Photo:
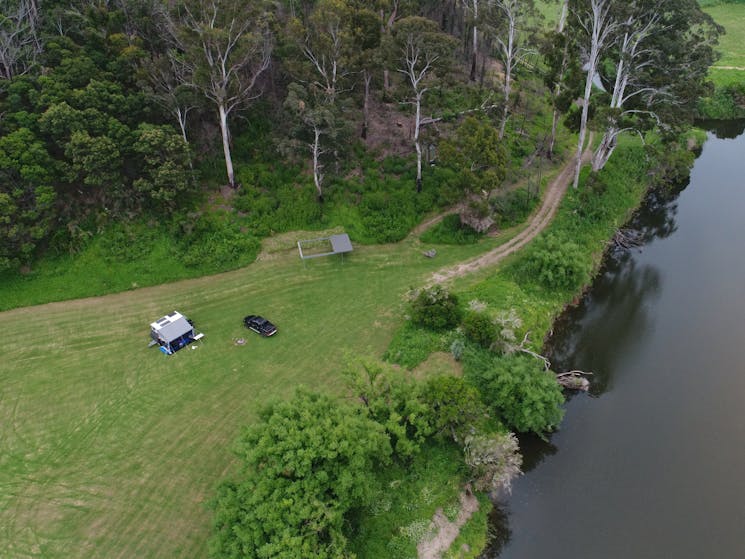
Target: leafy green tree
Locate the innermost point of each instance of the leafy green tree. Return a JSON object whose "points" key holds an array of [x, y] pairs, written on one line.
{"points": [[477, 154], [519, 390], [436, 308], [479, 328], [455, 407], [27, 198], [394, 401], [164, 173], [555, 262], [308, 461], [96, 163]]}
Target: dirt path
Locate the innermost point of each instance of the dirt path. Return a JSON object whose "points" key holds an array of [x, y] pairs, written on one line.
{"points": [[539, 221], [447, 531], [729, 67]]}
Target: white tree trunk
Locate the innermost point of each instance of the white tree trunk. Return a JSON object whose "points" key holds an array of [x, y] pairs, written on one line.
{"points": [[599, 30], [317, 167], [226, 144], [181, 117], [557, 89], [366, 104], [509, 59], [605, 149], [475, 45], [417, 124]]}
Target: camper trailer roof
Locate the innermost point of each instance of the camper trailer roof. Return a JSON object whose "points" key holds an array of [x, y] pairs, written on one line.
{"points": [[171, 326]]}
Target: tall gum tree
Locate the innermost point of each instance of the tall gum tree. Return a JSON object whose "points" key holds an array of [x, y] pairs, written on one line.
{"points": [[654, 70], [424, 53], [508, 23], [229, 44], [596, 24], [20, 41]]}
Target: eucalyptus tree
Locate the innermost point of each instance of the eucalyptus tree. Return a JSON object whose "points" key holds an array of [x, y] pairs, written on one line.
{"points": [[20, 40], [475, 10], [366, 56], [170, 80], [596, 26], [229, 44], [316, 127], [424, 53], [325, 42], [390, 11], [654, 70], [557, 69], [508, 22]]}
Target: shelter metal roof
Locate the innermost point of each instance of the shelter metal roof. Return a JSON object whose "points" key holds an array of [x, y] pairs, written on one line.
{"points": [[340, 243]]}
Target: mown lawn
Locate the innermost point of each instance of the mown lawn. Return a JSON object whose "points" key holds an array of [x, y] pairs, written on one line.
{"points": [[732, 43], [110, 449]]}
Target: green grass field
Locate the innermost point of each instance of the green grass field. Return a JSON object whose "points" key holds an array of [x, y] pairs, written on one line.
{"points": [[732, 43], [111, 449]]}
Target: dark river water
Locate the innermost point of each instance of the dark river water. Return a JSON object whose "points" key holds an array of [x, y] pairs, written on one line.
{"points": [[651, 463]]}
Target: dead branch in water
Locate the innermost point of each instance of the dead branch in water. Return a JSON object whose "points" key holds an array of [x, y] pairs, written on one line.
{"points": [[574, 380], [627, 239]]}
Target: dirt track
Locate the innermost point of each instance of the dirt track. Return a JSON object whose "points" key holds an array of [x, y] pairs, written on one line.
{"points": [[539, 221]]}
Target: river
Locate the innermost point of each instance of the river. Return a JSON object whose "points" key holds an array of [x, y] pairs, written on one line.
{"points": [[651, 463]]}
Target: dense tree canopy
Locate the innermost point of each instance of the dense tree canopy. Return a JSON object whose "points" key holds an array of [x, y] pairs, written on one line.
{"points": [[89, 87], [308, 461]]}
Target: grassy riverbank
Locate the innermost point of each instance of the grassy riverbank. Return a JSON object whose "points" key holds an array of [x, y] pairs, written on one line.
{"points": [[589, 217]]}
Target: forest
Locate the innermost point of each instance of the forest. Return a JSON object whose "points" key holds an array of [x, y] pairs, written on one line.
{"points": [[126, 117]]}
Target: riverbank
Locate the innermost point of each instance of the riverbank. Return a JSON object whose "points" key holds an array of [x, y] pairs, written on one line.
{"points": [[613, 482], [587, 218]]}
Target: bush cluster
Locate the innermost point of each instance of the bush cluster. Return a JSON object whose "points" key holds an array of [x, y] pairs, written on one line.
{"points": [[450, 231], [555, 263], [518, 390], [436, 308], [479, 328]]}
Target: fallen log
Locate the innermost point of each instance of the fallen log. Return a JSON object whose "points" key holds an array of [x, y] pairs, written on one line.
{"points": [[574, 380]]}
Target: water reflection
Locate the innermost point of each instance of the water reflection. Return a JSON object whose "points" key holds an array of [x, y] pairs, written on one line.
{"points": [[535, 450], [617, 304], [499, 530], [723, 129], [618, 300]]}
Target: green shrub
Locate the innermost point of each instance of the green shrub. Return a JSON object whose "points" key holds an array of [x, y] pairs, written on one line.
{"points": [[555, 263], [479, 328], [127, 242], [212, 242], [387, 218], [412, 345], [521, 393], [436, 308], [450, 231], [513, 207]]}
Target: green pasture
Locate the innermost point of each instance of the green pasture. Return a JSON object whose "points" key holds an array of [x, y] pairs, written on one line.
{"points": [[732, 43], [112, 450]]}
